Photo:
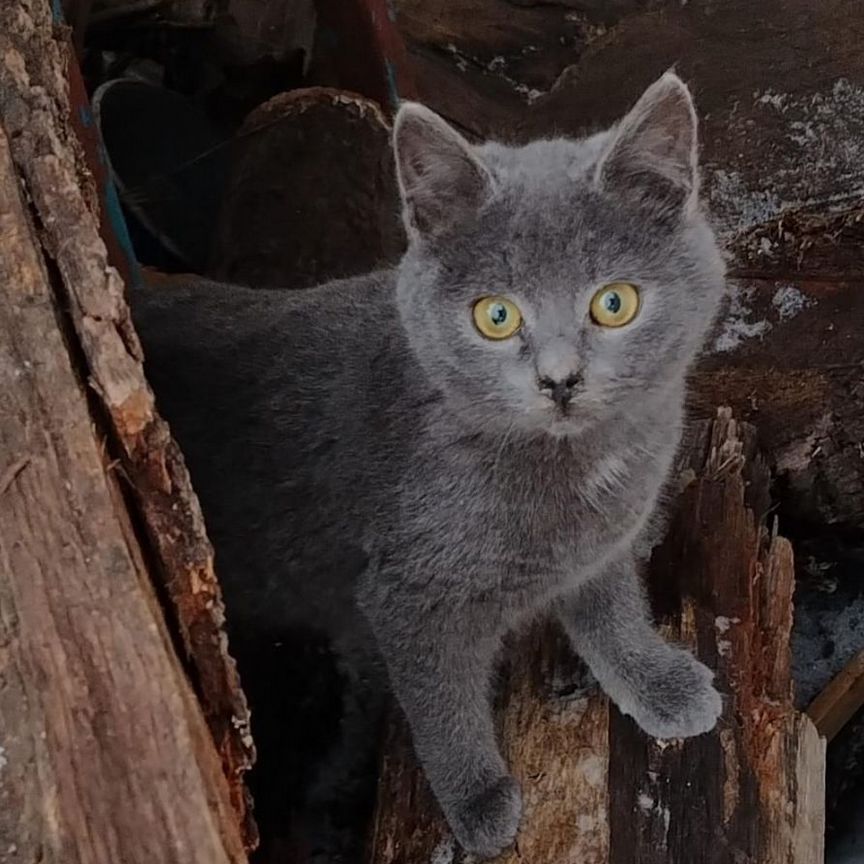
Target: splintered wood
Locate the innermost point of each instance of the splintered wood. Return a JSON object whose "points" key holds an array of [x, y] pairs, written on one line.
{"points": [[599, 791], [105, 753]]}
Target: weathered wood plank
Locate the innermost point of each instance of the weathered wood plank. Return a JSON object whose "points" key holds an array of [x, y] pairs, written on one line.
{"points": [[841, 700], [105, 754], [596, 788], [35, 110]]}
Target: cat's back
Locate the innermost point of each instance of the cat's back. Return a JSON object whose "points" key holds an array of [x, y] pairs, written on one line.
{"points": [[216, 351], [279, 402], [207, 322]]}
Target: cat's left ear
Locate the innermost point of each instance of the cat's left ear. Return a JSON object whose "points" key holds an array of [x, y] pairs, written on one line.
{"points": [[652, 153], [441, 179]]}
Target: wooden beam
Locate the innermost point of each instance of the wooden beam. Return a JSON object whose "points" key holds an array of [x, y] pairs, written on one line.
{"points": [[597, 790], [841, 700], [316, 163]]}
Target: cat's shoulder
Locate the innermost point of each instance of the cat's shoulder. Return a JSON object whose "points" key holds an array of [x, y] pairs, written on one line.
{"points": [[198, 308], [206, 297]]}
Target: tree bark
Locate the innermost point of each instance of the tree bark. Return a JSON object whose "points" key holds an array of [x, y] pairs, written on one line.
{"points": [[106, 753], [597, 790]]}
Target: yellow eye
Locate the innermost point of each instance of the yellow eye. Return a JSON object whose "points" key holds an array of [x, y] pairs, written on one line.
{"points": [[497, 317], [615, 305]]}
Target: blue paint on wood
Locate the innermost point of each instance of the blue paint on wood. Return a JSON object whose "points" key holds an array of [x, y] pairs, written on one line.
{"points": [[114, 214], [392, 84]]}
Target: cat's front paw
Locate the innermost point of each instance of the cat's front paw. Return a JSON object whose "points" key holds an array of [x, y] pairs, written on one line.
{"points": [[486, 823], [677, 699]]}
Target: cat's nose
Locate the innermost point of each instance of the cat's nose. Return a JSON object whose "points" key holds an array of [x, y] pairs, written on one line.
{"points": [[560, 390]]}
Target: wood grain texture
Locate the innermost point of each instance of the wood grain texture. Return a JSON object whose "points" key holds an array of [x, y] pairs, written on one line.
{"points": [[105, 753], [596, 788], [754, 789], [555, 737], [34, 109]]}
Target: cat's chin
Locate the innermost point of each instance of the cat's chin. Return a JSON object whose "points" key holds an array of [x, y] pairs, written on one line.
{"points": [[535, 421], [563, 426], [556, 424]]}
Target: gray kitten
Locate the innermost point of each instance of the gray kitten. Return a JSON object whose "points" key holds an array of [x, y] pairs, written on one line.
{"points": [[420, 460]]}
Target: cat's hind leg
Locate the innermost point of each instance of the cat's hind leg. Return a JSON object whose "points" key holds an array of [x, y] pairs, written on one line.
{"points": [[340, 799]]}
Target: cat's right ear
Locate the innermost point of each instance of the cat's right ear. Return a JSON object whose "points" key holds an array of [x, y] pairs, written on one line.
{"points": [[441, 180], [651, 156]]}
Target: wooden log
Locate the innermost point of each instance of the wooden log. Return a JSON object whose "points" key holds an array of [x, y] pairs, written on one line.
{"points": [[105, 754], [81, 294], [841, 700], [597, 790], [315, 164]]}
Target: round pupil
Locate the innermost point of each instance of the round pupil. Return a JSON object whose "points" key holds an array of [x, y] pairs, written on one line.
{"points": [[612, 302], [498, 313]]}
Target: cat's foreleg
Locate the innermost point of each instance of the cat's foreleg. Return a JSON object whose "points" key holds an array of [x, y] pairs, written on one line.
{"points": [[666, 690], [440, 669]]}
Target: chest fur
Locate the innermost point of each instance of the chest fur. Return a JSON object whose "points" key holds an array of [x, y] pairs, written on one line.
{"points": [[521, 518]]}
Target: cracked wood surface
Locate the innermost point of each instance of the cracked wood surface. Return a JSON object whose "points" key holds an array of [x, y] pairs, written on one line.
{"points": [[104, 753], [34, 108], [597, 790]]}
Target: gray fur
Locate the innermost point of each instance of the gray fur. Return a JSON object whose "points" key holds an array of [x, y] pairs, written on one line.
{"points": [[370, 465]]}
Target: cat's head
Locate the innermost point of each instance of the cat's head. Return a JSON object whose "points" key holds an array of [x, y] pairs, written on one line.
{"points": [[551, 286]]}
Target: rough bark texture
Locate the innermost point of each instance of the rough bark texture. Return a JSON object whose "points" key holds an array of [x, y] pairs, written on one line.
{"points": [[597, 790], [316, 163], [49, 168], [105, 755]]}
